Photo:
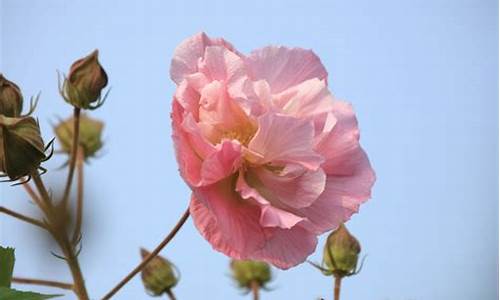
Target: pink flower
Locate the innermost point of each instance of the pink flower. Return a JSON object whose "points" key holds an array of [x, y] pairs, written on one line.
{"points": [[272, 158]]}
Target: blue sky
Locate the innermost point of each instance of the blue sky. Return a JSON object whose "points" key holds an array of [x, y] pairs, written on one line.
{"points": [[422, 76]]}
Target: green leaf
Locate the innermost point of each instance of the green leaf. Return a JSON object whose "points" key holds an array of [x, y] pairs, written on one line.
{"points": [[11, 294], [6, 266]]}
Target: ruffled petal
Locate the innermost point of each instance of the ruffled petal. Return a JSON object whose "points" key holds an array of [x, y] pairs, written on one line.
{"points": [[284, 67], [238, 232], [286, 248], [283, 139], [295, 187], [343, 195], [271, 216], [189, 52], [225, 161], [305, 100], [189, 161]]}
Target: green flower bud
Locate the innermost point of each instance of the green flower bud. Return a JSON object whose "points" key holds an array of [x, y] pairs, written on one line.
{"points": [[247, 271], [86, 79], [89, 137], [11, 99], [159, 275], [340, 255], [21, 147]]}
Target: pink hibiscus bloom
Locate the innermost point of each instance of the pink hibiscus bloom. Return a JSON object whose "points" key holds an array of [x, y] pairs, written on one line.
{"points": [[272, 158]]}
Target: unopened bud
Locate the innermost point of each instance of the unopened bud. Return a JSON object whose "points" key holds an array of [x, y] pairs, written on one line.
{"points": [[340, 255], [11, 99], [159, 275], [245, 272], [89, 137], [85, 82], [21, 148]]}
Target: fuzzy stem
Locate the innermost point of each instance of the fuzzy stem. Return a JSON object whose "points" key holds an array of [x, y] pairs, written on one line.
{"points": [[21, 217], [60, 236], [152, 255], [57, 284], [255, 290], [170, 294], [74, 150], [336, 289], [79, 200]]}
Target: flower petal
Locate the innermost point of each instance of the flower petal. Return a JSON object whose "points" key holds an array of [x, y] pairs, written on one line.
{"points": [[284, 67], [343, 195], [307, 99], [188, 53], [237, 232], [286, 248], [283, 139], [223, 162], [271, 216], [292, 188]]}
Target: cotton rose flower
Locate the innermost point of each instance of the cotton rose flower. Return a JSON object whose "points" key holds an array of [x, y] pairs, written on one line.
{"points": [[272, 158]]}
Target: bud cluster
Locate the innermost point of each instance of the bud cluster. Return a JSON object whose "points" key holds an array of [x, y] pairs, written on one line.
{"points": [[22, 149]]}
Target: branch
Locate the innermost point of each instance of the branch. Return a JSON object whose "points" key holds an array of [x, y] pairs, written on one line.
{"points": [[57, 284], [152, 255], [21, 217]]}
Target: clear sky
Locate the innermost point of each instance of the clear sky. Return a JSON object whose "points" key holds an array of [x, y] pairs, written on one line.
{"points": [[422, 76]]}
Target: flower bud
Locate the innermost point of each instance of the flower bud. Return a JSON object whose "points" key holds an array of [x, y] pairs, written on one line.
{"points": [[247, 271], [21, 146], [159, 275], [340, 255], [89, 137], [86, 79], [11, 99]]}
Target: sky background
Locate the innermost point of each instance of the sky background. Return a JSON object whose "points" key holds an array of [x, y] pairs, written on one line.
{"points": [[423, 79]]}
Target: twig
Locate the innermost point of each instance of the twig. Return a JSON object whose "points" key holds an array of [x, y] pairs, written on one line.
{"points": [[22, 217], [152, 255], [57, 284]]}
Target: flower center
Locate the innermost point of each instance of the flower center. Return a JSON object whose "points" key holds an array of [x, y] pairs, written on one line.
{"points": [[242, 134]]}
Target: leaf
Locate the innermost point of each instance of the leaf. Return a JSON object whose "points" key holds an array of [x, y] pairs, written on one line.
{"points": [[11, 294], [6, 266]]}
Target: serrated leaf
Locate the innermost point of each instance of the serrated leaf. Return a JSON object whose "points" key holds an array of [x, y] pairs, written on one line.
{"points": [[11, 294], [6, 266]]}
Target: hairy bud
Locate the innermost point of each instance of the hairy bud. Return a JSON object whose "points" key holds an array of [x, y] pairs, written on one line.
{"points": [[89, 137], [245, 272], [340, 255], [21, 147], [11, 99], [159, 275], [86, 79]]}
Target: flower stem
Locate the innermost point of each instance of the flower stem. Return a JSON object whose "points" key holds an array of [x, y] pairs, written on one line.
{"points": [[22, 217], [74, 152], [60, 235], [170, 294], [336, 289], [255, 290], [152, 255], [57, 284], [79, 199]]}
